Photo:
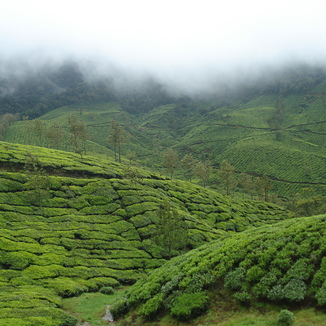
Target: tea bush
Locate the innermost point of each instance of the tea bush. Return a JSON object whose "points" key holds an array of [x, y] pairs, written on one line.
{"points": [[285, 318], [189, 305]]}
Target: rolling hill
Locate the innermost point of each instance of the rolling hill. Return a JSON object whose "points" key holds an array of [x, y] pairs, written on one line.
{"points": [[282, 137], [271, 267], [70, 225]]}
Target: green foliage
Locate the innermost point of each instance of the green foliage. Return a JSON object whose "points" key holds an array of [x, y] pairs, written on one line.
{"points": [[69, 320], [270, 264], [119, 308], [94, 230], [107, 290], [152, 306], [189, 305], [171, 232], [285, 317], [117, 136], [79, 134], [321, 295]]}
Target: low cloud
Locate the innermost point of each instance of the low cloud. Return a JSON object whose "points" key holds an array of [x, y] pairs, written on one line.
{"points": [[187, 45]]}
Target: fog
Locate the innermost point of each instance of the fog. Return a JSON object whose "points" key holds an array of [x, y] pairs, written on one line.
{"points": [[188, 45]]}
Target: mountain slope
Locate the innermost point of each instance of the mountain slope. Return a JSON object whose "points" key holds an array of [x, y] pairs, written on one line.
{"points": [[70, 225], [281, 136]]}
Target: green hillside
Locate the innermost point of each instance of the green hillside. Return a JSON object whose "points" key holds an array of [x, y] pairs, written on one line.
{"points": [[272, 267], [281, 136], [70, 225]]}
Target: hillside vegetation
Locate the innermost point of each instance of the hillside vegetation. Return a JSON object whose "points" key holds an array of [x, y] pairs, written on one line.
{"points": [[282, 137], [70, 225], [282, 264]]}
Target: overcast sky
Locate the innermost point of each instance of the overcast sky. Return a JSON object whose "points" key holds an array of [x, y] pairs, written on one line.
{"points": [[170, 37]]}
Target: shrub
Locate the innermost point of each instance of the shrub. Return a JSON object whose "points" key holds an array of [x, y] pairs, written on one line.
{"points": [[152, 306], [235, 279], [119, 308], [107, 290], [189, 305], [295, 290], [68, 320], [285, 317], [321, 295]]}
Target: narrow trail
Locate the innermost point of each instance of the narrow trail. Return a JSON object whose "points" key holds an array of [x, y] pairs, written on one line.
{"points": [[108, 316]]}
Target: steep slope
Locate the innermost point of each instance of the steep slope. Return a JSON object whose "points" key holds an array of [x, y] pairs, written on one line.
{"points": [[282, 264], [69, 225]]}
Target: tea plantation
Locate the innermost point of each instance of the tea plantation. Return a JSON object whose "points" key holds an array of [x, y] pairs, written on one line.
{"points": [[70, 225], [283, 264]]}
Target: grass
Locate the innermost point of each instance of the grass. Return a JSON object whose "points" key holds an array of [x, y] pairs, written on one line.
{"points": [[254, 317], [91, 307]]}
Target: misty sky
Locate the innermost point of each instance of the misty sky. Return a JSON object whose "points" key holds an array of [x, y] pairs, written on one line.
{"points": [[170, 37]]}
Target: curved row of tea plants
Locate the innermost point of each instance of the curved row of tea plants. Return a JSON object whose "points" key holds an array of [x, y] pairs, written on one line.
{"points": [[284, 263], [91, 226]]}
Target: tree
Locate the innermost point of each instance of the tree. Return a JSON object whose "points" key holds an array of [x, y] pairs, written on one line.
{"points": [[308, 203], [5, 121], [79, 134], [131, 155], [170, 161], [226, 174], [117, 136], [171, 232], [247, 183], [39, 129], [203, 171], [263, 185], [55, 135], [132, 173], [277, 118], [37, 180], [188, 163]]}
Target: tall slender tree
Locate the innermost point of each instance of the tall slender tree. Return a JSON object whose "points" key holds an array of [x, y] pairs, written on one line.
{"points": [[203, 171], [79, 134], [37, 180], [263, 186], [117, 136], [39, 128], [170, 161], [171, 232], [226, 174], [188, 164]]}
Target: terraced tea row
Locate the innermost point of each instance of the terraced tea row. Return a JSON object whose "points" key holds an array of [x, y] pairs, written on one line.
{"points": [[88, 233], [281, 264]]}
